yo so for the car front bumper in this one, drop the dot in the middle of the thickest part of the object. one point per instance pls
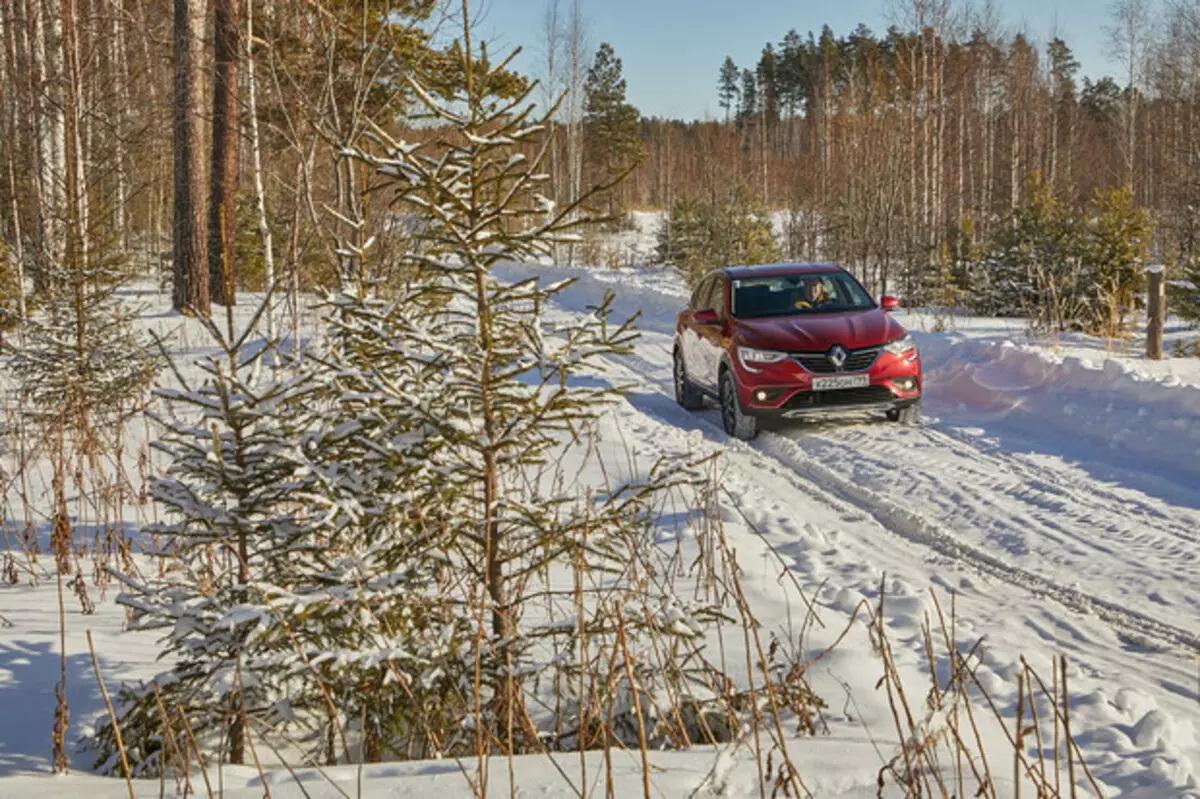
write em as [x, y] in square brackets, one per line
[785, 390]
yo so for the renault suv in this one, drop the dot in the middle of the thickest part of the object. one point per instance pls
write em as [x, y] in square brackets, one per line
[790, 341]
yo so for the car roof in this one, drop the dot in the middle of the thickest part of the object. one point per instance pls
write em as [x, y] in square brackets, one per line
[775, 270]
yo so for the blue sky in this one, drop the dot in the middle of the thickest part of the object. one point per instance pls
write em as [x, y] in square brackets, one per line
[672, 49]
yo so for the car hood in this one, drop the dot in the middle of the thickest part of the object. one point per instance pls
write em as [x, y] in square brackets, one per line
[819, 332]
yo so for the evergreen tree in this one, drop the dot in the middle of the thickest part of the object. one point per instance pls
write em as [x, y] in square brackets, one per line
[1101, 99]
[1063, 68]
[790, 73]
[1114, 255]
[748, 105]
[728, 93]
[230, 538]
[611, 126]
[684, 240]
[455, 395]
[1032, 268]
[768, 85]
[1184, 291]
[1183, 286]
[378, 614]
[83, 363]
[733, 229]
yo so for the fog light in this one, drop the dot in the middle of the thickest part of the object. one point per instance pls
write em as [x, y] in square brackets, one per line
[761, 396]
[905, 384]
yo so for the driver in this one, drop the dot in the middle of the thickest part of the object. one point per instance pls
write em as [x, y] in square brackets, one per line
[815, 294]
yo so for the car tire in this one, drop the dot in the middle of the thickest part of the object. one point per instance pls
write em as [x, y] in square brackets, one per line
[686, 394]
[736, 422]
[909, 415]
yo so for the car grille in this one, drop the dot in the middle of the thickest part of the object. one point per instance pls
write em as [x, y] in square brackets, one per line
[819, 363]
[869, 395]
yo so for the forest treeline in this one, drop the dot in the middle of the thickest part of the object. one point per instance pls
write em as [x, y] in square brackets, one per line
[912, 155]
[206, 137]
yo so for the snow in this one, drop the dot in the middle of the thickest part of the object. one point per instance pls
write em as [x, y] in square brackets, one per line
[1054, 488]
[636, 243]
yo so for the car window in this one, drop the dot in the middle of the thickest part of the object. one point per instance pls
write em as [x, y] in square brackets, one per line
[785, 295]
[700, 295]
[716, 296]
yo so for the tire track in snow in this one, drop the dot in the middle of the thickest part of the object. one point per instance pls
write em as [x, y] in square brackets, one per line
[1135, 628]
[1047, 514]
[650, 362]
[1135, 625]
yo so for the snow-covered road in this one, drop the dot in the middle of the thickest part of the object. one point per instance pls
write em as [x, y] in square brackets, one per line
[1062, 519]
[1052, 502]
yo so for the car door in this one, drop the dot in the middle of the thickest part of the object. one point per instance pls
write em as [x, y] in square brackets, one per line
[710, 337]
[693, 356]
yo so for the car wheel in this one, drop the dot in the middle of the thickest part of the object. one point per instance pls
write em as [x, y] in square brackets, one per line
[909, 415]
[687, 395]
[737, 423]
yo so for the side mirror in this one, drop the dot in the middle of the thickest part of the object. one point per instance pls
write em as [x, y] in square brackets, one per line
[889, 303]
[706, 317]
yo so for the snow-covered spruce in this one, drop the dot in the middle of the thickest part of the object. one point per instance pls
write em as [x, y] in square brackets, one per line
[80, 363]
[232, 530]
[460, 398]
[377, 553]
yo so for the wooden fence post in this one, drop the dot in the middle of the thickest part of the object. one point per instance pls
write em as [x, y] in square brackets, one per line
[1156, 311]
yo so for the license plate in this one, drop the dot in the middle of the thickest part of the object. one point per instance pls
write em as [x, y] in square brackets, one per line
[841, 381]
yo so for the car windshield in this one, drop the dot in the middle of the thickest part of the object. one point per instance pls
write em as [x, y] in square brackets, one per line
[784, 295]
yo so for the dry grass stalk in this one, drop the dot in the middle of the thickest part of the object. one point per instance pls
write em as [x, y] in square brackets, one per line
[1066, 716]
[636, 699]
[172, 741]
[923, 746]
[111, 714]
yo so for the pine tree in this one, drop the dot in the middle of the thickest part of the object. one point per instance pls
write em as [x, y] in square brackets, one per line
[1183, 286]
[1184, 291]
[748, 106]
[232, 533]
[1033, 266]
[768, 84]
[684, 239]
[190, 254]
[790, 73]
[728, 93]
[379, 617]
[612, 135]
[452, 398]
[373, 542]
[1118, 239]
[733, 229]
[83, 364]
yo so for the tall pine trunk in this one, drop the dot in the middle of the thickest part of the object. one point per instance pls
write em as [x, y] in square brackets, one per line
[222, 209]
[190, 257]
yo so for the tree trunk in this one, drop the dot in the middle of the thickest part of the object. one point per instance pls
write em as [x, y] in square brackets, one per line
[119, 72]
[190, 261]
[264, 227]
[45, 62]
[222, 209]
[77, 141]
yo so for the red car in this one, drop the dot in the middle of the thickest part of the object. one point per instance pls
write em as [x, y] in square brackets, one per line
[789, 341]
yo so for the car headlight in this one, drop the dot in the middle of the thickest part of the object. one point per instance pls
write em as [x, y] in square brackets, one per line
[901, 345]
[750, 355]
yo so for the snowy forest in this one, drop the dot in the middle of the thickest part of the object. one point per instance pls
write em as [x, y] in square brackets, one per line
[981, 138]
[335, 457]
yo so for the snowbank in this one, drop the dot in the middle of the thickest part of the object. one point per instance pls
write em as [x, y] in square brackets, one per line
[1148, 421]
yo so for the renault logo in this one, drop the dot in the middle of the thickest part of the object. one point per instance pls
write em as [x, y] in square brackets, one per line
[837, 356]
